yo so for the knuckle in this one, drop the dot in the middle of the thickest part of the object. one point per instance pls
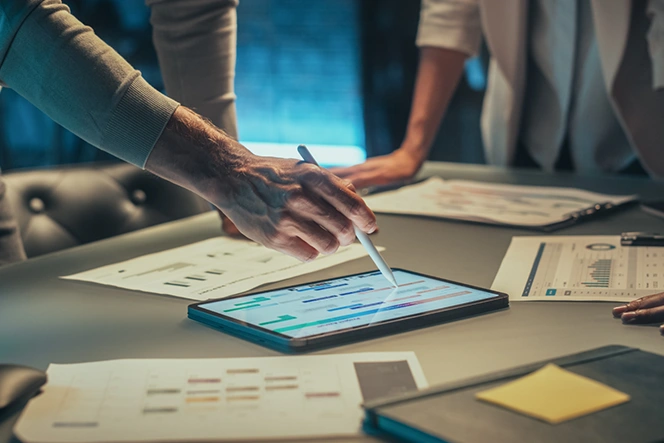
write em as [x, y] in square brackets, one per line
[312, 173]
[282, 223]
[347, 233]
[280, 239]
[298, 200]
[635, 304]
[331, 245]
[355, 208]
[310, 256]
[643, 314]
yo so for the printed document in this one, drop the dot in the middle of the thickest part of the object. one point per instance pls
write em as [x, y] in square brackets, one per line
[214, 268]
[214, 399]
[493, 203]
[582, 268]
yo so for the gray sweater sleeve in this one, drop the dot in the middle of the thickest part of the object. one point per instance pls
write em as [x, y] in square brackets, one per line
[63, 68]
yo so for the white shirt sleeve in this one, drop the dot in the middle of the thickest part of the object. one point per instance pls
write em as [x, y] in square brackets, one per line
[656, 41]
[450, 24]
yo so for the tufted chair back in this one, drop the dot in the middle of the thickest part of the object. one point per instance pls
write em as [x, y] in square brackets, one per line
[65, 207]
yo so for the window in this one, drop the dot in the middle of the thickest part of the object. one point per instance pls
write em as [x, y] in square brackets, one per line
[298, 79]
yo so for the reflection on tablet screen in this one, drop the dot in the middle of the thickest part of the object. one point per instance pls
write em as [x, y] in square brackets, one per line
[344, 303]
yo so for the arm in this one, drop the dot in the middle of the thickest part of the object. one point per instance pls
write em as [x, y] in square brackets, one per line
[60, 66]
[287, 205]
[447, 34]
[437, 77]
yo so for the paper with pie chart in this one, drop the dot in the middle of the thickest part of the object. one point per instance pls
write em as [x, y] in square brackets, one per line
[579, 268]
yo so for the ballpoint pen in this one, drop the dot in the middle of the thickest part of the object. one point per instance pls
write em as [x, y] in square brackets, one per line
[361, 236]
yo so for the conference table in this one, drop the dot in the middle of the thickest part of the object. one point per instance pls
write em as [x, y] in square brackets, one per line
[45, 319]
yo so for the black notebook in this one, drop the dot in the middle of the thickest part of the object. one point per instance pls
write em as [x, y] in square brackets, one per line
[451, 413]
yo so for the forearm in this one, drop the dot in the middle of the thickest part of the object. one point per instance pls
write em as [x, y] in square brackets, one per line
[437, 78]
[196, 155]
[64, 69]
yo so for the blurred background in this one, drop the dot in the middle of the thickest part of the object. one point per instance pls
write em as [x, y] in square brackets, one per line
[334, 74]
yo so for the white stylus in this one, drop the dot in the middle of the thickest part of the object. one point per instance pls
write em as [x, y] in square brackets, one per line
[361, 236]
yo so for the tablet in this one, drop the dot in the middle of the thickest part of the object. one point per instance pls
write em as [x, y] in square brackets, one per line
[356, 307]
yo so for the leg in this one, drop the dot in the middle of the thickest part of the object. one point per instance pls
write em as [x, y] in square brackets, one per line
[11, 247]
[195, 42]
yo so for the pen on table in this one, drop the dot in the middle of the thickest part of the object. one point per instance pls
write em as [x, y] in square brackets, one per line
[361, 236]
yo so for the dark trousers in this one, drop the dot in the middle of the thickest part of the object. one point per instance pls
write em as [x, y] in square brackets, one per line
[11, 247]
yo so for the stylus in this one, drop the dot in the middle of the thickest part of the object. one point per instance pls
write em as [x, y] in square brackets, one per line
[361, 236]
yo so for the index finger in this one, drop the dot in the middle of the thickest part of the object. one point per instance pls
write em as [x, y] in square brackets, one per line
[337, 193]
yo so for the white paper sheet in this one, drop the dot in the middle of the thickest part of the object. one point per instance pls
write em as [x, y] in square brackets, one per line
[579, 268]
[214, 268]
[489, 202]
[214, 399]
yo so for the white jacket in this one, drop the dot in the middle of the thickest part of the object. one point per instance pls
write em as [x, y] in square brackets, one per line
[636, 94]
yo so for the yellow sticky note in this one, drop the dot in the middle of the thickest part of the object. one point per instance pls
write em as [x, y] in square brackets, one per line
[554, 395]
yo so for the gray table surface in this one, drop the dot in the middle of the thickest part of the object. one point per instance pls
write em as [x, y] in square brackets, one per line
[44, 319]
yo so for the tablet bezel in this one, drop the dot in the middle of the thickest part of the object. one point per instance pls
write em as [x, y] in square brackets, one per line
[286, 343]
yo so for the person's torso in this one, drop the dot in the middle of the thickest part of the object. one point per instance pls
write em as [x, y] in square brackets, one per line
[568, 119]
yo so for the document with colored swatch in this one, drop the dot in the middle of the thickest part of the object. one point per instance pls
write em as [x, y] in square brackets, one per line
[214, 399]
[213, 268]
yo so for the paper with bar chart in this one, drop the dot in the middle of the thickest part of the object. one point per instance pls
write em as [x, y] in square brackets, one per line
[583, 268]
[214, 399]
[213, 268]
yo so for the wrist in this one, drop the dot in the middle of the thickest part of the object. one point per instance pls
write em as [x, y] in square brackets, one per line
[198, 156]
[414, 154]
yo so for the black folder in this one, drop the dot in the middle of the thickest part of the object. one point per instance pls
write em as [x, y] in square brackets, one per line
[451, 413]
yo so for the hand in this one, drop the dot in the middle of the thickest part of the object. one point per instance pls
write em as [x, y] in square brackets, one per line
[228, 226]
[398, 166]
[648, 309]
[288, 205]
[294, 207]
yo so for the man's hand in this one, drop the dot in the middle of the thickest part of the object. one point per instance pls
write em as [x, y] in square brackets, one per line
[398, 166]
[294, 207]
[648, 309]
[228, 226]
[288, 205]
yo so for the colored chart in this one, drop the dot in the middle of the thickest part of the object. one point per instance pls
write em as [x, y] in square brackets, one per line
[346, 302]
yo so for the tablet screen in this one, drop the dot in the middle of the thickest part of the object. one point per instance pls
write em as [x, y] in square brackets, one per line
[346, 302]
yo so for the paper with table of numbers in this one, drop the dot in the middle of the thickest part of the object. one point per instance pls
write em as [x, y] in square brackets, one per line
[214, 399]
[579, 268]
[214, 268]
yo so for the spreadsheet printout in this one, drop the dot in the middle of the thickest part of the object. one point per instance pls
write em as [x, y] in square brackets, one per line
[214, 268]
[584, 268]
[214, 399]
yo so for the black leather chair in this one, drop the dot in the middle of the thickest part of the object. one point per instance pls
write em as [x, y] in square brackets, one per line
[65, 207]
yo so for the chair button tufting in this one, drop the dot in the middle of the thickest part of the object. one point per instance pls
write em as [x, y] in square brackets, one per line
[36, 205]
[138, 197]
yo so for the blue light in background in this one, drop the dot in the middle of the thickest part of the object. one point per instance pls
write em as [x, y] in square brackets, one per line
[298, 79]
